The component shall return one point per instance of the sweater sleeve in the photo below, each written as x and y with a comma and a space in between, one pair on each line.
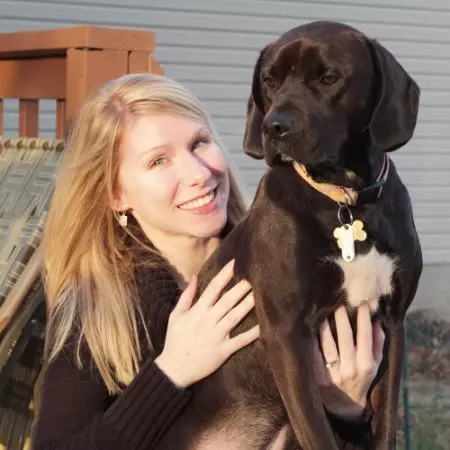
352, 435
75, 414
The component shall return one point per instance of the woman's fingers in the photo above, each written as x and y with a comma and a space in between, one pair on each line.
233, 317
322, 376
364, 339
230, 299
187, 297
216, 286
364, 328
345, 343
329, 348
241, 340
378, 343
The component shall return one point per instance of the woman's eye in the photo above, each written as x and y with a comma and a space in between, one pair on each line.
200, 143
157, 162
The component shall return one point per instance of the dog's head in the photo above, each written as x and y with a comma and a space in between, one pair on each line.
320, 86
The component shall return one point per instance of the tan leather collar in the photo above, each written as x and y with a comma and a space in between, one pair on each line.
343, 195
336, 193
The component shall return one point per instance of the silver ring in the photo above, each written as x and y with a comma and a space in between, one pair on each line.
350, 215
331, 364
348, 200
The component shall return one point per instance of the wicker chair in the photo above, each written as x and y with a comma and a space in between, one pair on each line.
28, 168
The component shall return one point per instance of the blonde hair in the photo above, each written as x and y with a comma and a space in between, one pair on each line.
88, 267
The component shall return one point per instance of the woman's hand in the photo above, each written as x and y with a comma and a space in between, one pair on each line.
198, 337
345, 371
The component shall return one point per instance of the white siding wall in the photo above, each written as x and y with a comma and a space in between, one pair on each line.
212, 45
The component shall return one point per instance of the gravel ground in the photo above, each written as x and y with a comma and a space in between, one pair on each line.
428, 337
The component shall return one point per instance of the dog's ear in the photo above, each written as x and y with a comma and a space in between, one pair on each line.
395, 114
253, 129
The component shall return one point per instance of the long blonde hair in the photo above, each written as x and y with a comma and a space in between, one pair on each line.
88, 267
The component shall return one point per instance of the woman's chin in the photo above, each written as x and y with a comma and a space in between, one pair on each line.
209, 227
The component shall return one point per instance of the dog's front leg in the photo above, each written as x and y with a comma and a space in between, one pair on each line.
289, 348
385, 395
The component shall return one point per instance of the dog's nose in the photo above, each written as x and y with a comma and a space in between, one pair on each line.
276, 125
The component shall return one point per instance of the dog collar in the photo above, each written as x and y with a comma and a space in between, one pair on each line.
348, 196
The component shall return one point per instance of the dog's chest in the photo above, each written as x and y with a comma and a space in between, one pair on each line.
367, 278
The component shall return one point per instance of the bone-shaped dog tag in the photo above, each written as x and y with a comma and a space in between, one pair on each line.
358, 231
346, 235
345, 241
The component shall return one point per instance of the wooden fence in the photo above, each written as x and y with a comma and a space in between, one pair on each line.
65, 65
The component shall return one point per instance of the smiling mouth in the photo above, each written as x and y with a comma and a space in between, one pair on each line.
199, 202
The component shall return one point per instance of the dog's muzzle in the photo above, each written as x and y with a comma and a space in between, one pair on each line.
284, 158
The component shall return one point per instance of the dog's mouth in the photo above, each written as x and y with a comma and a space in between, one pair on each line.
325, 171
311, 155
284, 159
319, 170
332, 172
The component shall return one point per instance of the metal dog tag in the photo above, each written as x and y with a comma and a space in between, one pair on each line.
346, 235
345, 241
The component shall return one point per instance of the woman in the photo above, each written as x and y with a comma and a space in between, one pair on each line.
143, 198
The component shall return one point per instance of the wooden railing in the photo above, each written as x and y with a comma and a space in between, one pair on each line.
66, 65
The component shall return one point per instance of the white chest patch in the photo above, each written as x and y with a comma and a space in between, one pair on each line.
367, 278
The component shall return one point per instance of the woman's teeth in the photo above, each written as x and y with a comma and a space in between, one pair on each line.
198, 202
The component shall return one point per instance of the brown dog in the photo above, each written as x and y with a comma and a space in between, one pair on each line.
331, 224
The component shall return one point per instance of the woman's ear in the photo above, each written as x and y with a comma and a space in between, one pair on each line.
118, 201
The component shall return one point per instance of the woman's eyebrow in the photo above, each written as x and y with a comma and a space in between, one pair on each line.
153, 149
157, 147
201, 131
195, 135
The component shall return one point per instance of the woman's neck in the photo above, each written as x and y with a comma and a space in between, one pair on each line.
185, 253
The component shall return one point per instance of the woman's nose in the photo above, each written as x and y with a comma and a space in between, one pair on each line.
194, 171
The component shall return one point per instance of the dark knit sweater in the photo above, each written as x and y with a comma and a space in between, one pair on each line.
77, 413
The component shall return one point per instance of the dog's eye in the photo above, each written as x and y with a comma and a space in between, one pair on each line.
329, 79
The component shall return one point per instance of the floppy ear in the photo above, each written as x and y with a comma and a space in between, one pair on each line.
395, 114
253, 128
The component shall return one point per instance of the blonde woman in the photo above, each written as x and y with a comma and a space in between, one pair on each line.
143, 198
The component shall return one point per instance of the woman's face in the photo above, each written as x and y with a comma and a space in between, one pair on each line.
173, 177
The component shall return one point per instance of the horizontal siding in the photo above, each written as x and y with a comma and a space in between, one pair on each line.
247, 16
211, 47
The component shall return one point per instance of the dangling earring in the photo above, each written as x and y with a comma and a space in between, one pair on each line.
123, 219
